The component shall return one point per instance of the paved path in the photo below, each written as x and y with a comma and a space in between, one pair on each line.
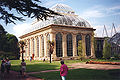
84, 65
94, 66
16, 76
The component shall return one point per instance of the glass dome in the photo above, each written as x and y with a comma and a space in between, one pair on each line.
68, 18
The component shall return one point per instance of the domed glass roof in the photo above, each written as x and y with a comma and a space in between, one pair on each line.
68, 18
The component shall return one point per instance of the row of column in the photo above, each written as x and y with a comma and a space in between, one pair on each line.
40, 53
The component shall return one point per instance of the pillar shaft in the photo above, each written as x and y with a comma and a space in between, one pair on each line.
74, 46
64, 44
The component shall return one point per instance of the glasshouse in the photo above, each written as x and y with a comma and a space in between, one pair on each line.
68, 31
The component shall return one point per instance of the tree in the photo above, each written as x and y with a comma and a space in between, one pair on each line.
8, 45
12, 43
2, 38
106, 50
51, 48
29, 8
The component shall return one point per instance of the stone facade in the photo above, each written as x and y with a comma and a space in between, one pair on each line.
37, 42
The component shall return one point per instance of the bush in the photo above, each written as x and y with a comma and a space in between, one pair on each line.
106, 50
116, 56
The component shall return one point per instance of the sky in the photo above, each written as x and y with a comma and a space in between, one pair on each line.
97, 12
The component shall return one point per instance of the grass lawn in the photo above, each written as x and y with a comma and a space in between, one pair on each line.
82, 74
36, 66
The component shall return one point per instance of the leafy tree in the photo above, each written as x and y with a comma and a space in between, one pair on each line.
29, 8
12, 42
8, 44
2, 38
106, 50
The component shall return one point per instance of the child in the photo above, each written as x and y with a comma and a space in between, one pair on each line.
8, 65
23, 67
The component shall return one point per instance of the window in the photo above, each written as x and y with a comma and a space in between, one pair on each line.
78, 39
48, 38
42, 46
33, 41
88, 44
69, 45
58, 45
37, 46
29, 48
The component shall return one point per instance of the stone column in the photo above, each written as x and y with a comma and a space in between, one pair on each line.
64, 45
92, 45
74, 46
83, 45
52, 38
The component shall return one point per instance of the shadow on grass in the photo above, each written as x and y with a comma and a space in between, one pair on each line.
82, 74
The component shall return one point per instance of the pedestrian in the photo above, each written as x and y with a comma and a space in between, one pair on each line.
8, 65
3, 66
23, 67
30, 59
63, 70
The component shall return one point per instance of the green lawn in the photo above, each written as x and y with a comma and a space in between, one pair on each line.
36, 66
82, 74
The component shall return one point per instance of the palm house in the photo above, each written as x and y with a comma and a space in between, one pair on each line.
66, 31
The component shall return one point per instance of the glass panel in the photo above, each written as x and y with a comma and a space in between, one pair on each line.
69, 45
58, 45
88, 44
38, 47
48, 38
42, 46
78, 38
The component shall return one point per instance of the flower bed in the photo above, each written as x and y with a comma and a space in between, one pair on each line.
97, 62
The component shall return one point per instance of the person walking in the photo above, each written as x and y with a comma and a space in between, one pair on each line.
23, 67
63, 70
8, 65
3, 66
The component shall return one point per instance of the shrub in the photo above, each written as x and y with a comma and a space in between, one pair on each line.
106, 50
116, 56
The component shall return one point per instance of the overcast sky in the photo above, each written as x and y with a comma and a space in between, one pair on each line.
97, 12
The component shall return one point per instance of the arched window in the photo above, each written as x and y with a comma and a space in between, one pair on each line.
69, 45
33, 41
37, 46
42, 46
29, 48
79, 43
48, 39
88, 44
58, 45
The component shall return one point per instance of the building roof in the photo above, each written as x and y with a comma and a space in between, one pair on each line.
68, 18
115, 39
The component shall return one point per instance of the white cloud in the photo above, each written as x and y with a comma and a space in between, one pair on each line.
99, 30
20, 28
92, 13
114, 8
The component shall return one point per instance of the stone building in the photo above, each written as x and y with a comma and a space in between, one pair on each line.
65, 31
